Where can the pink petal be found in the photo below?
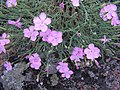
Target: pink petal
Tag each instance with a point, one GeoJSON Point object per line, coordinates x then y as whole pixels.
{"type": "Point", "coordinates": [32, 66]}
{"type": "Point", "coordinates": [4, 35]}
{"type": "Point", "coordinates": [109, 16]}
{"type": "Point", "coordinates": [54, 33]}
{"type": "Point", "coordinates": [59, 34]}
{"type": "Point", "coordinates": [50, 39]}
{"type": "Point", "coordinates": [42, 16]}
{"type": "Point", "coordinates": [86, 51]}
{"type": "Point", "coordinates": [67, 76]}
{"type": "Point", "coordinates": [113, 7]}
{"type": "Point", "coordinates": [91, 46]}
{"type": "Point", "coordinates": [33, 38]}
{"type": "Point", "coordinates": [19, 25]}
{"type": "Point", "coordinates": [72, 57]}
{"type": "Point", "coordinates": [114, 14]}
{"type": "Point", "coordinates": [2, 49]}
{"type": "Point", "coordinates": [36, 33]}
{"type": "Point", "coordinates": [54, 43]}
{"type": "Point", "coordinates": [63, 75]}
{"type": "Point", "coordinates": [36, 67]}
{"type": "Point", "coordinates": [18, 20]}
{"type": "Point", "coordinates": [47, 21]}
{"type": "Point", "coordinates": [59, 40]}
{"type": "Point", "coordinates": [11, 22]}
{"type": "Point", "coordinates": [90, 56]}
{"type": "Point", "coordinates": [42, 34]}
{"type": "Point", "coordinates": [70, 72]}
{"type": "Point", "coordinates": [36, 20]}
{"type": "Point", "coordinates": [44, 28]}
{"type": "Point", "coordinates": [6, 41]}
{"type": "Point", "coordinates": [26, 33]}
{"type": "Point", "coordinates": [31, 28]}
{"type": "Point", "coordinates": [58, 67]}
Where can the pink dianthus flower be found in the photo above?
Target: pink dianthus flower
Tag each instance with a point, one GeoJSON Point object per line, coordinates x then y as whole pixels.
{"type": "Point", "coordinates": [45, 35]}
{"type": "Point", "coordinates": [31, 33]}
{"type": "Point", "coordinates": [92, 52]}
{"type": "Point", "coordinates": [4, 39]}
{"type": "Point", "coordinates": [41, 22]}
{"type": "Point", "coordinates": [63, 68]}
{"type": "Point", "coordinates": [55, 38]}
{"type": "Point", "coordinates": [61, 5]}
{"type": "Point", "coordinates": [35, 61]}
{"type": "Point", "coordinates": [108, 12]}
{"type": "Point", "coordinates": [77, 54]}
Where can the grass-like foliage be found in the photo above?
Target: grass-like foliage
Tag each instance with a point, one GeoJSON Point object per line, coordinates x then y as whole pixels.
{"type": "Point", "coordinates": [70, 21]}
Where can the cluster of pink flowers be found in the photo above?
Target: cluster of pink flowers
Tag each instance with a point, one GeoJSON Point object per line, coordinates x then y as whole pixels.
{"type": "Point", "coordinates": [51, 36]}
{"type": "Point", "coordinates": [8, 66]}
{"type": "Point", "coordinates": [4, 39]}
{"type": "Point", "coordinates": [11, 3]}
{"type": "Point", "coordinates": [63, 68]}
{"type": "Point", "coordinates": [35, 61]}
{"type": "Point", "coordinates": [41, 23]}
{"type": "Point", "coordinates": [91, 53]}
{"type": "Point", "coordinates": [109, 13]}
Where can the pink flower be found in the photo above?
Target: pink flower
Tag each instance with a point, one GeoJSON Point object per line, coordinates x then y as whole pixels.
{"type": "Point", "coordinates": [16, 23]}
{"type": "Point", "coordinates": [77, 54]}
{"type": "Point", "coordinates": [2, 49]}
{"type": "Point", "coordinates": [11, 3]}
{"type": "Point", "coordinates": [41, 22]}
{"type": "Point", "coordinates": [104, 39]}
{"type": "Point", "coordinates": [55, 37]}
{"type": "Point", "coordinates": [62, 67]}
{"type": "Point", "coordinates": [45, 35]}
{"type": "Point", "coordinates": [108, 12]}
{"type": "Point", "coordinates": [31, 33]}
{"type": "Point", "coordinates": [92, 52]}
{"type": "Point", "coordinates": [35, 61]}
{"type": "Point", "coordinates": [67, 74]}
{"type": "Point", "coordinates": [75, 3]}
{"type": "Point", "coordinates": [4, 39]}
{"type": "Point", "coordinates": [8, 66]}
{"type": "Point", "coordinates": [62, 5]}
{"type": "Point", "coordinates": [78, 34]}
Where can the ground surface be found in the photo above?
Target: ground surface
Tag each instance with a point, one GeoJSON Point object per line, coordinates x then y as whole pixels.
{"type": "Point", "coordinates": [106, 78]}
